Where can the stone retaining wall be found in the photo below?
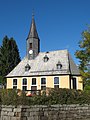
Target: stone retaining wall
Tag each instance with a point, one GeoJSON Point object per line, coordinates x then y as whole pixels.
{"type": "Point", "coordinates": [43, 112]}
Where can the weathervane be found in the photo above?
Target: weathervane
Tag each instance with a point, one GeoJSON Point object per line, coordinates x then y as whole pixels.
{"type": "Point", "coordinates": [33, 13]}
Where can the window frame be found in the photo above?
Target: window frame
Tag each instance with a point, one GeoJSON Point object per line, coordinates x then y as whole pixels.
{"type": "Point", "coordinates": [74, 83]}
{"type": "Point", "coordinates": [43, 85]}
{"type": "Point", "coordinates": [56, 84]}
{"type": "Point", "coordinates": [32, 82]}
{"type": "Point", "coordinates": [14, 85]}
{"type": "Point", "coordinates": [33, 85]}
{"type": "Point", "coordinates": [24, 85]}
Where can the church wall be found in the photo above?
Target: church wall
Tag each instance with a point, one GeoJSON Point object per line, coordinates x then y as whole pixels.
{"type": "Point", "coordinates": [64, 82]}
{"type": "Point", "coordinates": [19, 83]}
{"type": "Point", "coordinates": [9, 83]}
{"type": "Point", "coordinates": [80, 85]}
{"type": "Point", "coordinates": [50, 82]}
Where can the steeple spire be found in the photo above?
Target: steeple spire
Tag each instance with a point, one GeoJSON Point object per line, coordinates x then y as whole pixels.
{"type": "Point", "coordinates": [33, 31]}
{"type": "Point", "coordinates": [33, 41]}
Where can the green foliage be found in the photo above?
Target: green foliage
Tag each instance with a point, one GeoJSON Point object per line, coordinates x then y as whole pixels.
{"type": "Point", "coordinates": [55, 96]}
{"type": "Point", "coordinates": [9, 57]}
{"type": "Point", "coordinates": [8, 97]}
{"type": "Point", "coordinates": [84, 57]}
{"type": "Point", "coordinates": [11, 97]}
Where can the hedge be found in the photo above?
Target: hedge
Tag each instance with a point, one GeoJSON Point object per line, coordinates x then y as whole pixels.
{"type": "Point", "coordinates": [55, 96]}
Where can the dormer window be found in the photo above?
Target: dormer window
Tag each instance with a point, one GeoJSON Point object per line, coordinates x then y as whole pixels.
{"type": "Point", "coordinates": [27, 67]}
{"type": "Point", "coordinates": [45, 58]}
{"type": "Point", "coordinates": [59, 65]}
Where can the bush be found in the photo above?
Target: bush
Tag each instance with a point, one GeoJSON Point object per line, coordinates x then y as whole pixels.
{"type": "Point", "coordinates": [8, 97]}
{"type": "Point", "coordinates": [55, 96]}
{"type": "Point", "coordinates": [11, 97]}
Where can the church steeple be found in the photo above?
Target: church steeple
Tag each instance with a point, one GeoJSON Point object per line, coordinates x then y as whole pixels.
{"type": "Point", "coordinates": [33, 42]}
{"type": "Point", "coordinates": [33, 31]}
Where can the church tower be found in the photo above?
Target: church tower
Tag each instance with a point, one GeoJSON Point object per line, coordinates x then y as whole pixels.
{"type": "Point", "coordinates": [33, 42]}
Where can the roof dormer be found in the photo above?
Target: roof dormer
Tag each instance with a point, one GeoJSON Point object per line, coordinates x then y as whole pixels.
{"type": "Point", "coordinates": [45, 58]}
{"type": "Point", "coordinates": [27, 67]}
{"type": "Point", "coordinates": [59, 65]}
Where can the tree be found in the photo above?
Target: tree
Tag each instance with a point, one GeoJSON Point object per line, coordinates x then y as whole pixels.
{"type": "Point", "coordinates": [84, 57]}
{"type": "Point", "coordinates": [9, 57]}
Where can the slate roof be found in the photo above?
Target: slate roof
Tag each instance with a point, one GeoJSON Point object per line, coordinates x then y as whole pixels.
{"type": "Point", "coordinates": [39, 67]}
{"type": "Point", "coordinates": [33, 31]}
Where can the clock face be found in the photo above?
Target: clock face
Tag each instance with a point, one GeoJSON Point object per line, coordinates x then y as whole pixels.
{"type": "Point", "coordinates": [30, 52]}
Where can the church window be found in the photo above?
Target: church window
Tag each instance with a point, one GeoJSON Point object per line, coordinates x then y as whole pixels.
{"type": "Point", "coordinates": [43, 83]}
{"type": "Point", "coordinates": [74, 83]}
{"type": "Point", "coordinates": [15, 83]}
{"type": "Point", "coordinates": [33, 81]}
{"type": "Point", "coordinates": [34, 86]}
{"type": "Point", "coordinates": [56, 82]}
{"type": "Point", "coordinates": [24, 84]}
{"type": "Point", "coordinates": [59, 65]}
{"type": "Point", "coordinates": [46, 58]}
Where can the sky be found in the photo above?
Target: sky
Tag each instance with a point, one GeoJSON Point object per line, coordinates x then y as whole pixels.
{"type": "Point", "coordinates": [59, 23]}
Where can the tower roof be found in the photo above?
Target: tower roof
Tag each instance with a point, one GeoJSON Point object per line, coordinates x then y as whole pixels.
{"type": "Point", "coordinates": [33, 31]}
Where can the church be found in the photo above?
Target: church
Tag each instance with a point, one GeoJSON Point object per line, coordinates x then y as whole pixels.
{"type": "Point", "coordinates": [42, 70]}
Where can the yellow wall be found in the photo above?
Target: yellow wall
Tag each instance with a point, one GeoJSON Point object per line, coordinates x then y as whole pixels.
{"type": "Point", "coordinates": [9, 83]}
{"type": "Point", "coordinates": [80, 83]}
{"type": "Point", "coordinates": [64, 82]}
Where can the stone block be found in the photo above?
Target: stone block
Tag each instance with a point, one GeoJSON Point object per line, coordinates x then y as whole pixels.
{"type": "Point", "coordinates": [17, 114]}
{"type": "Point", "coordinates": [25, 114]}
{"type": "Point", "coordinates": [15, 118]}
{"type": "Point", "coordinates": [33, 118]}
{"type": "Point", "coordinates": [32, 114]}
{"type": "Point", "coordinates": [7, 109]}
{"type": "Point", "coordinates": [17, 110]}
{"type": "Point", "coordinates": [4, 113]}
{"type": "Point", "coordinates": [11, 114]}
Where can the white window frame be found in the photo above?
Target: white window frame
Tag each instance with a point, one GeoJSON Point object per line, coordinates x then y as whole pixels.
{"type": "Point", "coordinates": [15, 85]}
{"type": "Point", "coordinates": [43, 84]}
{"type": "Point", "coordinates": [36, 81]}
{"type": "Point", "coordinates": [24, 85]}
{"type": "Point", "coordinates": [76, 82]}
{"type": "Point", "coordinates": [56, 84]}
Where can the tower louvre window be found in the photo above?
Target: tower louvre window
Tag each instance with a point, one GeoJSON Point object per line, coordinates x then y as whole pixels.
{"type": "Point", "coordinates": [30, 45]}
{"type": "Point", "coordinates": [45, 58]}
{"type": "Point", "coordinates": [27, 67]}
{"type": "Point", "coordinates": [59, 65]}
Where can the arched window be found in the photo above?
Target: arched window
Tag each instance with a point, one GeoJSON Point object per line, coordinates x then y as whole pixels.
{"type": "Point", "coordinates": [74, 83]}
{"type": "Point", "coordinates": [34, 86]}
{"type": "Point", "coordinates": [56, 82]}
{"type": "Point", "coordinates": [43, 83]}
{"type": "Point", "coordinates": [24, 84]}
{"type": "Point", "coordinates": [15, 83]}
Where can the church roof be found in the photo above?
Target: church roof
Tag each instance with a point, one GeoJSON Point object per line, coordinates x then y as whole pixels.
{"type": "Point", "coordinates": [33, 31]}
{"type": "Point", "coordinates": [40, 67]}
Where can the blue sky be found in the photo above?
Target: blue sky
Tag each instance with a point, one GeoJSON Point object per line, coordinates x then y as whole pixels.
{"type": "Point", "coordinates": [59, 22]}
